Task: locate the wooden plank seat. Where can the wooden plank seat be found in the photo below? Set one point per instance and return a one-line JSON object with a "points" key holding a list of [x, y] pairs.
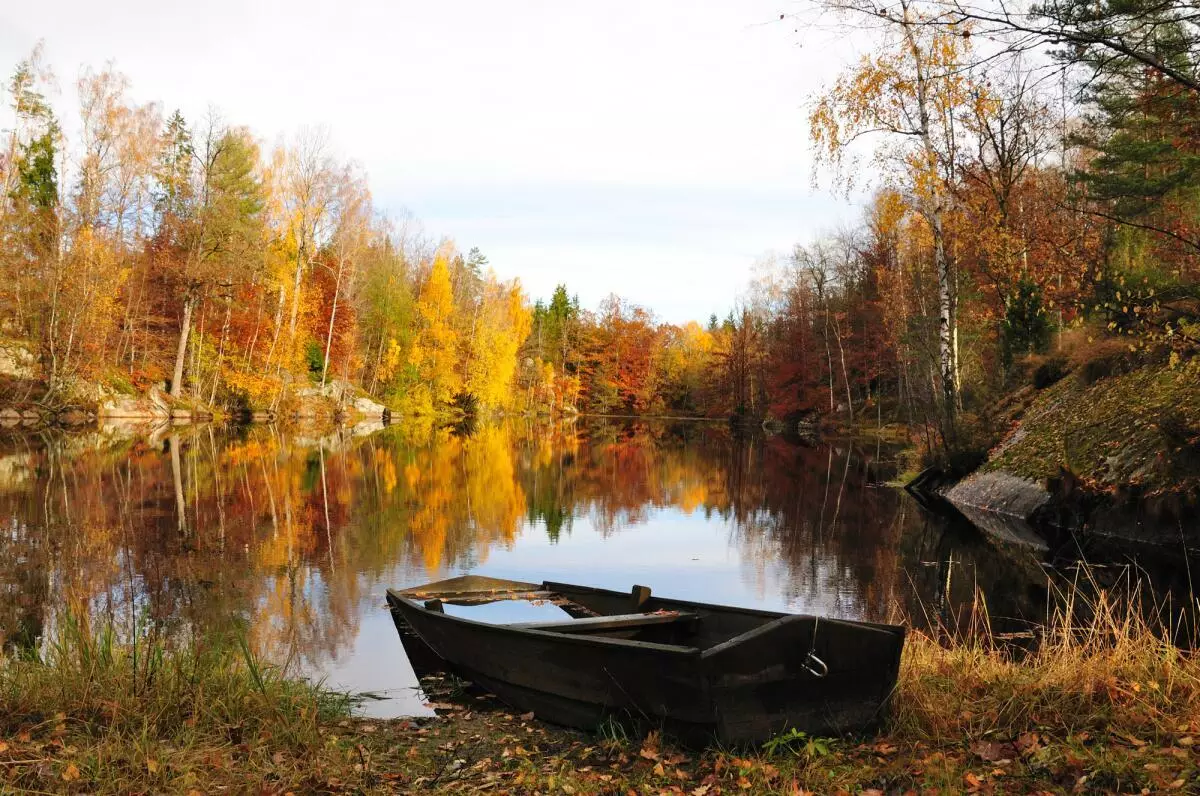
{"points": [[598, 623]]}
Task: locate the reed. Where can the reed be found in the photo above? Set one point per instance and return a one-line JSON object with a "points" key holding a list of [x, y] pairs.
{"points": [[107, 715], [1102, 661]]}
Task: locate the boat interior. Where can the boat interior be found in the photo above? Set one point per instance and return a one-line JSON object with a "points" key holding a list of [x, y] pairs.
{"points": [[635, 615]]}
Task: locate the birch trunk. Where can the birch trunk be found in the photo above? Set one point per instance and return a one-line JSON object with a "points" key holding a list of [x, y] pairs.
{"points": [[185, 329]]}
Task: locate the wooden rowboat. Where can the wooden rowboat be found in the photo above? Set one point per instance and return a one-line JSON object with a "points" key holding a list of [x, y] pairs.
{"points": [[702, 672]]}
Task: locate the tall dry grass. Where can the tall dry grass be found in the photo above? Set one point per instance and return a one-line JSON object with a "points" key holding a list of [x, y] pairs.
{"points": [[1102, 662], [144, 713]]}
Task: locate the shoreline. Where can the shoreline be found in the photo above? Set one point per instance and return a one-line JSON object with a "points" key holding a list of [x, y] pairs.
{"points": [[967, 718]]}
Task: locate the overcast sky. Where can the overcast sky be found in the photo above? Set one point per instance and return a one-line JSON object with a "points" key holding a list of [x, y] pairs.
{"points": [[654, 148]]}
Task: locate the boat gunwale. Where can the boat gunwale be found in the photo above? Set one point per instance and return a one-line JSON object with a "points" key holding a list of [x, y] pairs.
{"points": [[555, 586], [573, 638], [774, 618]]}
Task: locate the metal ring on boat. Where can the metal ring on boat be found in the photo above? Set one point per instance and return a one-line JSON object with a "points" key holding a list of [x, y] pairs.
{"points": [[815, 666]]}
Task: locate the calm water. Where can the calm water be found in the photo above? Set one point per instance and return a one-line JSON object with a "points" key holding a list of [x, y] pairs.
{"points": [[185, 532]]}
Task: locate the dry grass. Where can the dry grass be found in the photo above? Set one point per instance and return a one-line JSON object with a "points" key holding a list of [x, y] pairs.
{"points": [[1104, 702], [1101, 664], [93, 715]]}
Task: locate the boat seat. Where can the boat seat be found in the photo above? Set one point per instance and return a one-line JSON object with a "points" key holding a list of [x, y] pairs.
{"points": [[617, 622]]}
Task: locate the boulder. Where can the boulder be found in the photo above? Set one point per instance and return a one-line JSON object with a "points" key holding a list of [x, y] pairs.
{"points": [[16, 361], [74, 417], [152, 405], [368, 408], [1002, 505], [999, 492]]}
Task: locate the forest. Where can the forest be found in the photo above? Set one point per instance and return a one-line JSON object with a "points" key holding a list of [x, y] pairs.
{"points": [[1037, 207]]}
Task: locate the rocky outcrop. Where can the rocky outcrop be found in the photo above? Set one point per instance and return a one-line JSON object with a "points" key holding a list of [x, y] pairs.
{"points": [[17, 361], [369, 409], [152, 405], [12, 417], [1001, 504], [337, 400], [999, 492]]}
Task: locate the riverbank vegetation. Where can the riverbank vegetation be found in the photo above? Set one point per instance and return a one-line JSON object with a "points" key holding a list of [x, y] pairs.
{"points": [[1103, 703]]}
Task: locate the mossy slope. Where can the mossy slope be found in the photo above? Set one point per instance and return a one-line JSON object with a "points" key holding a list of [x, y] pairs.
{"points": [[1139, 429]]}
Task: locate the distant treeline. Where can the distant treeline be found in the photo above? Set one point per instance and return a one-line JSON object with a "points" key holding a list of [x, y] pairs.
{"points": [[1012, 209]]}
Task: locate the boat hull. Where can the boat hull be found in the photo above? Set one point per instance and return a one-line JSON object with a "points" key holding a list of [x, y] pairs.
{"points": [[758, 683]]}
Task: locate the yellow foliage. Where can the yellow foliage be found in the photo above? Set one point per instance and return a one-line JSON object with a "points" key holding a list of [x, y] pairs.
{"points": [[435, 352], [502, 324]]}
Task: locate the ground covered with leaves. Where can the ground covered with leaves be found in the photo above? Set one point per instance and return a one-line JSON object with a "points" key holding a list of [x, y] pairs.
{"points": [[484, 748], [1102, 706], [1138, 426], [477, 746]]}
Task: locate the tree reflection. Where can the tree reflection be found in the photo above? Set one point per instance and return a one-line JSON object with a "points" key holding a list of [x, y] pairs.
{"points": [[183, 534]]}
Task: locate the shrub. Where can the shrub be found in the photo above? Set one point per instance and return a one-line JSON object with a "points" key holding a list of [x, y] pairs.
{"points": [[1049, 373]]}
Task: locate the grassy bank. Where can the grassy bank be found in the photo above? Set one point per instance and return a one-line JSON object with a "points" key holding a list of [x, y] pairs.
{"points": [[1113, 422], [1103, 705]]}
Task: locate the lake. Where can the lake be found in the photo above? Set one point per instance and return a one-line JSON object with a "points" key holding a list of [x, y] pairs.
{"points": [[187, 532]]}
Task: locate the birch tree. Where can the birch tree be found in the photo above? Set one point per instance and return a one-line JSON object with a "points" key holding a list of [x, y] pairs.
{"points": [[905, 96]]}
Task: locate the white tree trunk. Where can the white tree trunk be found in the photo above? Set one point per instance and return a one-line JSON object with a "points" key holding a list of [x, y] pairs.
{"points": [[181, 350]]}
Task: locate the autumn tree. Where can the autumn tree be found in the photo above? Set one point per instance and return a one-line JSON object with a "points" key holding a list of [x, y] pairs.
{"points": [[30, 203], [436, 347], [501, 324], [308, 188], [386, 307], [907, 92], [351, 238], [618, 368], [210, 221]]}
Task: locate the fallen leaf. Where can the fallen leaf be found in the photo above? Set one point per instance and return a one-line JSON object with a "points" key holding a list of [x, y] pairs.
{"points": [[152, 765], [648, 754], [990, 750], [3, 746], [700, 791], [659, 770], [1027, 742], [743, 783], [71, 773], [527, 716]]}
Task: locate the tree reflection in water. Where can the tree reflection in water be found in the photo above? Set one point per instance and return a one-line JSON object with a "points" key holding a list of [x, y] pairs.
{"points": [[185, 532]]}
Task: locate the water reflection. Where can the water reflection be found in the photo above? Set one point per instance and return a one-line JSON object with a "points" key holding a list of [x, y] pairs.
{"points": [[183, 532]]}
